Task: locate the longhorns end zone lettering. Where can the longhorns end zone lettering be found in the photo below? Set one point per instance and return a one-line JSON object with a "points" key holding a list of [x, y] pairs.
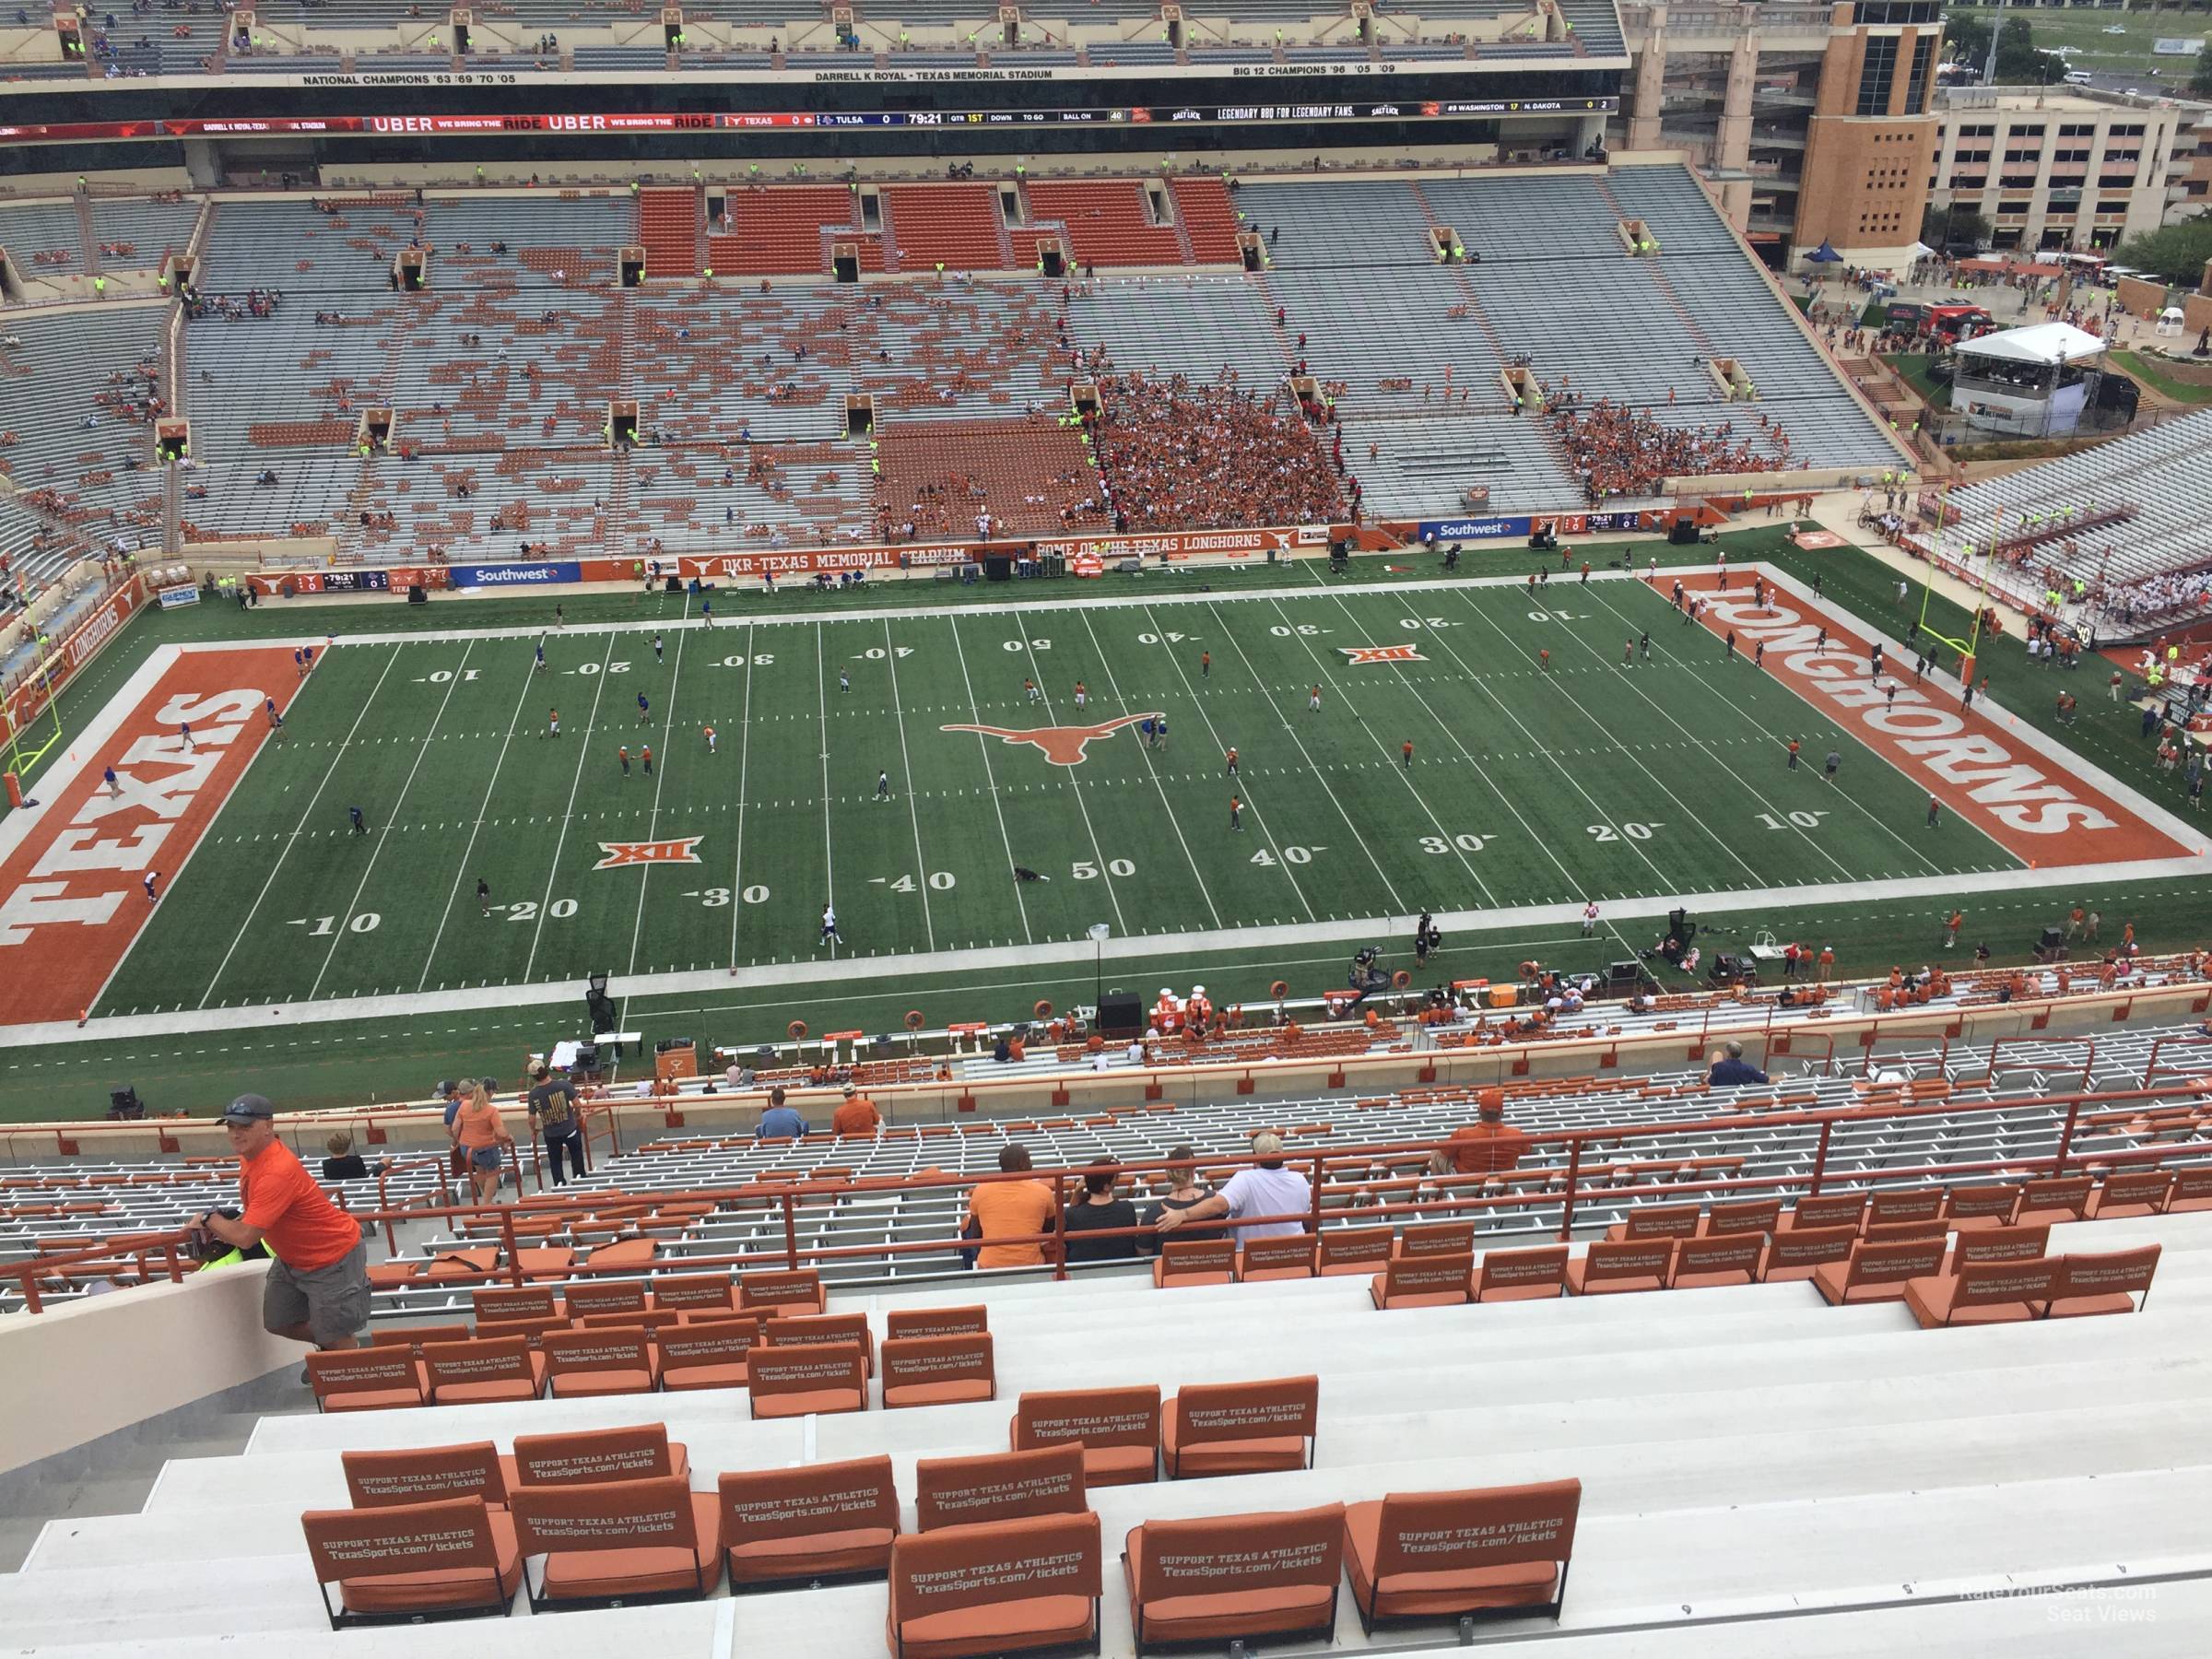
{"points": [[681, 850], [1062, 746], [1381, 654]]}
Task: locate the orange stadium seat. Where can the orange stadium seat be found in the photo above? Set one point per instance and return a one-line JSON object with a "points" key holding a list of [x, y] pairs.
{"points": [[1982, 1293], [936, 1322], [2132, 1193], [1265, 1260], [604, 1361], [1998, 1244], [938, 1371], [411, 1561], [816, 1379], [426, 1475], [1824, 1210], [1240, 1428], [782, 1294], [1718, 1259], [1657, 1221], [1235, 1577], [708, 1354], [814, 1329], [1746, 1214], [1538, 1274], [619, 1541], [1799, 1253], [964, 1591], [1424, 1281], [592, 1457], [604, 1296], [1630, 1265], [814, 1525], [1436, 1238], [1893, 1205], [2192, 1189], [1117, 1427], [493, 1368], [367, 1379], [2062, 1198], [1975, 1208], [999, 1486], [495, 1304], [1360, 1250], [1448, 1554], [1184, 1261], [699, 1294], [2113, 1281], [1879, 1271]]}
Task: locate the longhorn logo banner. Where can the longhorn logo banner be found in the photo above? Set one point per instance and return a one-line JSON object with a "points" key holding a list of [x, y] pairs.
{"points": [[1382, 654], [1062, 746], [681, 850]]}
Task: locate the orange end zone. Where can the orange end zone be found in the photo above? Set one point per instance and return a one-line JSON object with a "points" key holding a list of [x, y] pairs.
{"points": [[73, 892], [2026, 802]]}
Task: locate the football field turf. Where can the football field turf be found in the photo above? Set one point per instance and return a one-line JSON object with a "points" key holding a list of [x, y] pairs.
{"points": [[1529, 784]]}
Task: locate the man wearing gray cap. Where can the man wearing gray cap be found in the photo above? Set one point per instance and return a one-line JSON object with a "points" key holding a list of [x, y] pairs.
{"points": [[317, 1289]]}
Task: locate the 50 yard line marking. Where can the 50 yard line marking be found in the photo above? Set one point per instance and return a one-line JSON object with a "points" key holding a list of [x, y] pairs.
{"points": [[353, 904], [822, 691], [653, 824], [745, 748], [300, 829], [890, 656], [490, 789], [1029, 655], [983, 744], [584, 749]]}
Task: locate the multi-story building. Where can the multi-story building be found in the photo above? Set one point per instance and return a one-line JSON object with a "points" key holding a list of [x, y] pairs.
{"points": [[2055, 167], [1813, 121]]}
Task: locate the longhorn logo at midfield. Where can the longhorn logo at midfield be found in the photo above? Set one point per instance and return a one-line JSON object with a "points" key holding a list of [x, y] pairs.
{"points": [[1062, 746]]}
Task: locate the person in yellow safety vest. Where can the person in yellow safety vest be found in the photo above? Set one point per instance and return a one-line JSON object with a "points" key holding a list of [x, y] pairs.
{"points": [[161, 282], [633, 187], [940, 267], [100, 288]]}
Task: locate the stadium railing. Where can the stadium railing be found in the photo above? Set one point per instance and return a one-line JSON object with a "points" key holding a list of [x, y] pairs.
{"points": [[1566, 1187]]}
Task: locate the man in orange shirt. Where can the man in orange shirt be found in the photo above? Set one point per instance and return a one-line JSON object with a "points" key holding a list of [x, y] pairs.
{"points": [[1488, 1146], [318, 1285], [856, 1115], [1001, 1209]]}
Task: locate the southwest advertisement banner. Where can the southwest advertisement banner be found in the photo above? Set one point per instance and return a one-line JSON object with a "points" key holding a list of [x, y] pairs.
{"points": [[1495, 526]]}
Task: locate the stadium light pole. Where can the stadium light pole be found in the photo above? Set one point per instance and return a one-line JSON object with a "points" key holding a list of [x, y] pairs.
{"points": [[1098, 931]]}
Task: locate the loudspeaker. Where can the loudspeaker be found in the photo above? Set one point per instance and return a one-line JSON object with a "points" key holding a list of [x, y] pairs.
{"points": [[1683, 532], [998, 567], [1131, 567], [676, 586], [1121, 1015], [417, 597]]}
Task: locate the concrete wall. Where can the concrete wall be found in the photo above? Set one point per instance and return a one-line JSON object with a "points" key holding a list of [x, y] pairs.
{"points": [[86, 1369]]}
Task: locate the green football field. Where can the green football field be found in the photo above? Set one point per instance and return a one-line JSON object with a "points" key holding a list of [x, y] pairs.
{"points": [[1527, 784]]}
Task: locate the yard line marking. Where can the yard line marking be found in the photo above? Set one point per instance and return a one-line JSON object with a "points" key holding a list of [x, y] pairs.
{"points": [[1105, 866], [653, 827], [983, 745], [1765, 736], [584, 749], [1627, 751], [822, 691], [490, 788], [890, 656], [1397, 904], [745, 747], [298, 829], [1204, 890], [1328, 671], [362, 887]]}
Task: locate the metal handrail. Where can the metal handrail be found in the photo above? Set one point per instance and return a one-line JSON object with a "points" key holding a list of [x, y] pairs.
{"points": [[788, 1197]]}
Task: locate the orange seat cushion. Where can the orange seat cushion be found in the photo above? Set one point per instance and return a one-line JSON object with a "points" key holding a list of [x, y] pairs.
{"points": [[1163, 1277], [595, 1574], [679, 1464], [813, 1402], [372, 1399], [1702, 1281], [1828, 1279], [578, 1385], [1505, 1293], [2078, 1307], [1120, 1465], [480, 1394], [1276, 1610], [999, 1626], [817, 1555], [1581, 1286], [704, 1376], [437, 1589], [1435, 1595], [952, 1393], [1931, 1299], [1261, 1456]]}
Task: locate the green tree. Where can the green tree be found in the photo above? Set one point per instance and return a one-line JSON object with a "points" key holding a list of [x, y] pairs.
{"points": [[1954, 224], [1967, 37], [2176, 253], [2018, 62], [2200, 77]]}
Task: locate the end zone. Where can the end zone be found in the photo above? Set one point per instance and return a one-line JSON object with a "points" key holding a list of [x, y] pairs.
{"points": [[74, 869]]}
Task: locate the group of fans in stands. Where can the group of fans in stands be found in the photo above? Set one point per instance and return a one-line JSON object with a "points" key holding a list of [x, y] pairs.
{"points": [[1177, 454], [1619, 452]]}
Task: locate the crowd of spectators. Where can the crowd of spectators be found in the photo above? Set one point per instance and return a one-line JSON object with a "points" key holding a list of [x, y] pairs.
{"points": [[2156, 596], [1177, 455], [1619, 452], [258, 302]]}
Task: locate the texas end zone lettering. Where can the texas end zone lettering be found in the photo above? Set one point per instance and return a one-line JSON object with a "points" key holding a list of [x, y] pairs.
{"points": [[1975, 766], [72, 892]]}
